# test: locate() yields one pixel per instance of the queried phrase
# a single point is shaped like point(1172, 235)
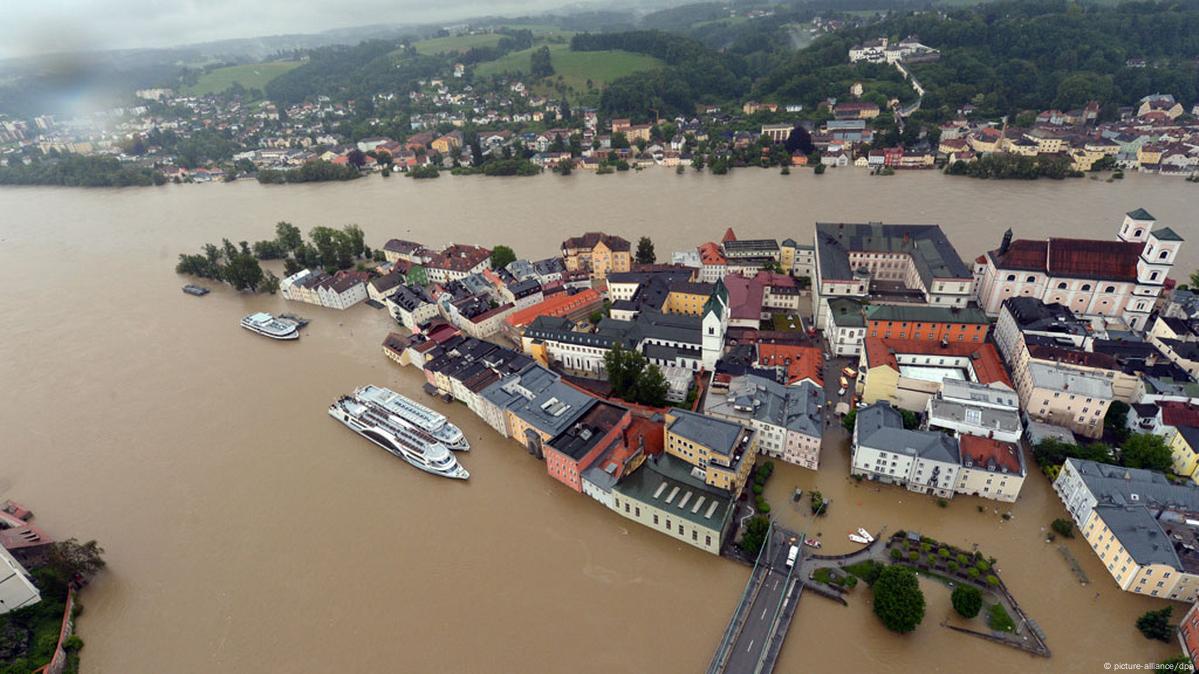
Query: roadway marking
point(751, 645)
point(776, 584)
point(763, 613)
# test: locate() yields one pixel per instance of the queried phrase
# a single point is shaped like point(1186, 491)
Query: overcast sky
point(40, 26)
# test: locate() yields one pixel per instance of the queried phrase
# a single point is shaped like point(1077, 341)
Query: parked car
point(849, 372)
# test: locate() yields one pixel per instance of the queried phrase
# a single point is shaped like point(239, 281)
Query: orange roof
point(984, 359)
point(558, 304)
point(987, 451)
point(709, 253)
point(728, 236)
point(802, 362)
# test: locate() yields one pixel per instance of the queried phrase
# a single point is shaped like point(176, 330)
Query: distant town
point(508, 123)
point(664, 390)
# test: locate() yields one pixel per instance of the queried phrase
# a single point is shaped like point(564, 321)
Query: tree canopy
point(898, 600)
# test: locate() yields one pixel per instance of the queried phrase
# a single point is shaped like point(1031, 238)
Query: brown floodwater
point(246, 531)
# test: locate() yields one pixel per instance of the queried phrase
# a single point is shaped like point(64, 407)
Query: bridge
point(754, 636)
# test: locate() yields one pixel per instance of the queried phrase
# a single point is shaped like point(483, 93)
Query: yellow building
point(725, 451)
point(687, 298)
point(1149, 154)
point(1184, 447)
point(598, 253)
point(1115, 534)
point(787, 255)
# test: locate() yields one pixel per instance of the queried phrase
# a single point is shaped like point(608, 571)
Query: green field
point(456, 43)
point(575, 67)
point(250, 76)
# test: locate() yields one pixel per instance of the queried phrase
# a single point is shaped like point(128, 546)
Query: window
point(1061, 286)
point(1011, 277)
point(1031, 279)
point(1086, 286)
point(1110, 289)
point(1163, 255)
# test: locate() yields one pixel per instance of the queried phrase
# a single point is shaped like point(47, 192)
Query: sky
point(40, 26)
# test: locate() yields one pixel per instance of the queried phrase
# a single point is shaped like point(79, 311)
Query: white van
point(792, 554)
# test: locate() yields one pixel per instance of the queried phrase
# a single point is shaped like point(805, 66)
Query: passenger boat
point(416, 414)
point(859, 539)
point(812, 543)
point(269, 326)
point(363, 414)
point(865, 534)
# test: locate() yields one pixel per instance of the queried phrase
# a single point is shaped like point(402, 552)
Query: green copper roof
point(1140, 214)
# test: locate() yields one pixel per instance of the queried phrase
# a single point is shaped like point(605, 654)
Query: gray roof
point(1117, 485)
point(880, 426)
point(667, 484)
point(926, 313)
point(796, 408)
point(1031, 314)
point(1140, 534)
point(1166, 234)
point(716, 434)
point(1043, 375)
point(987, 418)
point(927, 245)
point(1140, 214)
point(554, 408)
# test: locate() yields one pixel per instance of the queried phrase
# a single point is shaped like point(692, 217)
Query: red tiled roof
point(728, 236)
point(1072, 356)
point(710, 254)
point(1176, 413)
point(983, 451)
point(459, 257)
point(984, 359)
point(802, 362)
point(557, 305)
point(1073, 258)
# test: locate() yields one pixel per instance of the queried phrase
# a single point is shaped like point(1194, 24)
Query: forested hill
point(1027, 55)
point(1001, 57)
point(353, 72)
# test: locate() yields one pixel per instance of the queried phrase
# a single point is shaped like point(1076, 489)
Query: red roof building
point(987, 452)
point(985, 363)
point(799, 362)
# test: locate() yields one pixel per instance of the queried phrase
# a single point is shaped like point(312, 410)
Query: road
point(757, 630)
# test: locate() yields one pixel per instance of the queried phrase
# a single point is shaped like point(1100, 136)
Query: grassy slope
point(251, 76)
point(456, 43)
point(575, 68)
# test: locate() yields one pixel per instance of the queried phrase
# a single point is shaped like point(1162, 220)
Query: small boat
point(812, 543)
point(269, 326)
point(300, 322)
point(858, 539)
point(17, 510)
point(865, 534)
point(198, 291)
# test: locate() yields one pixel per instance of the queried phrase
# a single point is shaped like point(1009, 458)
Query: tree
point(288, 235)
point(967, 600)
point(502, 256)
point(540, 64)
point(820, 168)
point(898, 600)
point(849, 420)
point(70, 558)
point(756, 531)
point(356, 158)
point(1144, 450)
point(645, 251)
point(1063, 527)
point(651, 387)
point(1116, 420)
point(243, 272)
point(1156, 624)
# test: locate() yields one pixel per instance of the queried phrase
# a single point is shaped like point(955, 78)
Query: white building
point(788, 418)
point(16, 589)
point(1120, 279)
point(926, 462)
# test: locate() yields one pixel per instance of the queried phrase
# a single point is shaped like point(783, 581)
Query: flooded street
point(246, 531)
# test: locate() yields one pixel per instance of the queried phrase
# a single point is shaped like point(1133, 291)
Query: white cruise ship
point(433, 423)
point(376, 423)
point(269, 326)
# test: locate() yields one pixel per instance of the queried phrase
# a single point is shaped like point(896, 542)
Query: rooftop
point(979, 452)
point(926, 313)
point(587, 431)
point(931, 252)
point(880, 426)
point(796, 408)
point(984, 359)
point(722, 437)
point(1055, 378)
point(1072, 258)
point(667, 484)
